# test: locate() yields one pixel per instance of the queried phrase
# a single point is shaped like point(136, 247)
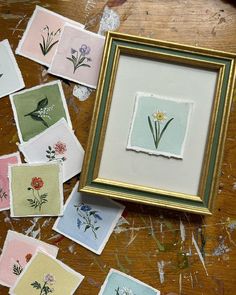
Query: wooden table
point(148, 245)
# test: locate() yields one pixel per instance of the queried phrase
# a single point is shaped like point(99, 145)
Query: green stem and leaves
point(157, 132)
point(48, 38)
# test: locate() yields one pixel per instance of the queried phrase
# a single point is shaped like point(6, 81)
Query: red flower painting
point(37, 183)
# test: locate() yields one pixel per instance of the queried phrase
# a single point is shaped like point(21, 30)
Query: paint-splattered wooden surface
point(153, 245)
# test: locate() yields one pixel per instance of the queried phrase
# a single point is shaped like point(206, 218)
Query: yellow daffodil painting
point(158, 126)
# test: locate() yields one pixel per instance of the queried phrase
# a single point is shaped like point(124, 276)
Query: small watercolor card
point(40, 39)
point(88, 220)
point(5, 161)
point(159, 125)
point(10, 75)
point(119, 283)
point(37, 108)
point(57, 143)
point(78, 57)
point(47, 275)
point(12, 261)
point(36, 189)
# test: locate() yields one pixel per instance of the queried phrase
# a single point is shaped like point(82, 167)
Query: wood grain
point(149, 246)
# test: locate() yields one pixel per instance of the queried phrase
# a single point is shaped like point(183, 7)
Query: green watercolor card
point(159, 125)
point(38, 108)
point(36, 189)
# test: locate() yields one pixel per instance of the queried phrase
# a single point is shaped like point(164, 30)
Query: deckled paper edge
point(13, 234)
point(79, 276)
point(159, 153)
point(112, 226)
point(17, 155)
point(55, 54)
point(6, 44)
point(112, 270)
point(25, 34)
point(37, 137)
point(60, 177)
point(63, 99)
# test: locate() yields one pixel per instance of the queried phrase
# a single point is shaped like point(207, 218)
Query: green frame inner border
point(179, 53)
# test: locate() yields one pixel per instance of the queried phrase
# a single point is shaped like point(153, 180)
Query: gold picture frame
point(205, 77)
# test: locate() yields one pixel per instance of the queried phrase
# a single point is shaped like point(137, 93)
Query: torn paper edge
point(106, 238)
point(55, 54)
point(39, 8)
point(112, 270)
point(29, 240)
point(63, 99)
point(17, 155)
point(37, 137)
point(79, 276)
point(60, 180)
point(140, 94)
point(6, 44)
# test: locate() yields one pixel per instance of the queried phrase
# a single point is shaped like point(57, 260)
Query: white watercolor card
point(36, 189)
point(88, 220)
point(46, 275)
point(159, 125)
point(37, 108)
point(10, 75)
point(17, 251)
point(119, 283)
point(40, 39)
point(57, 143)
point(78, 56)
point(5, 161)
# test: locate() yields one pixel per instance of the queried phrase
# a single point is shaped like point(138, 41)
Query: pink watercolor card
point(40, 39)
point(39, 107)
point(78, 56)
point(36, 189)
point(57, 143)
point(4, 183)
point(10, 75)
point(17, 252)
point(46, 275)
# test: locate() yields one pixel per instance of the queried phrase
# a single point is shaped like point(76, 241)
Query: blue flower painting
point(88, 220)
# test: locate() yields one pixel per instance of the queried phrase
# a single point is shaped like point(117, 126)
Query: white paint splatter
point(221, 249)
point(31, 232)
point(234, 186)
point(54, 237)
point(182, 231)
point(18, 24)
point(82, 92)
point(161, 265)
point(46, 222)
point(118, 229)
point(7, 219)
point(199, 253)
point(110, 21)
point(232, 225)
point(133, 236)
point(71, 248)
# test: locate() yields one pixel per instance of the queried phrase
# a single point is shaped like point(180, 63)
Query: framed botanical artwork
point(159, 123)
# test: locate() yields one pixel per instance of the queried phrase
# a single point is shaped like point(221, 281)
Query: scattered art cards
point(120, 283)
point(78, 56)
point(5, 161)
point(36, 189)
point(88, 220)
point(37, 108)
point(45, 275)
point(159, 125)
point(10, 76)
point(40, 39)
point(57, 143)
point(17, 252)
